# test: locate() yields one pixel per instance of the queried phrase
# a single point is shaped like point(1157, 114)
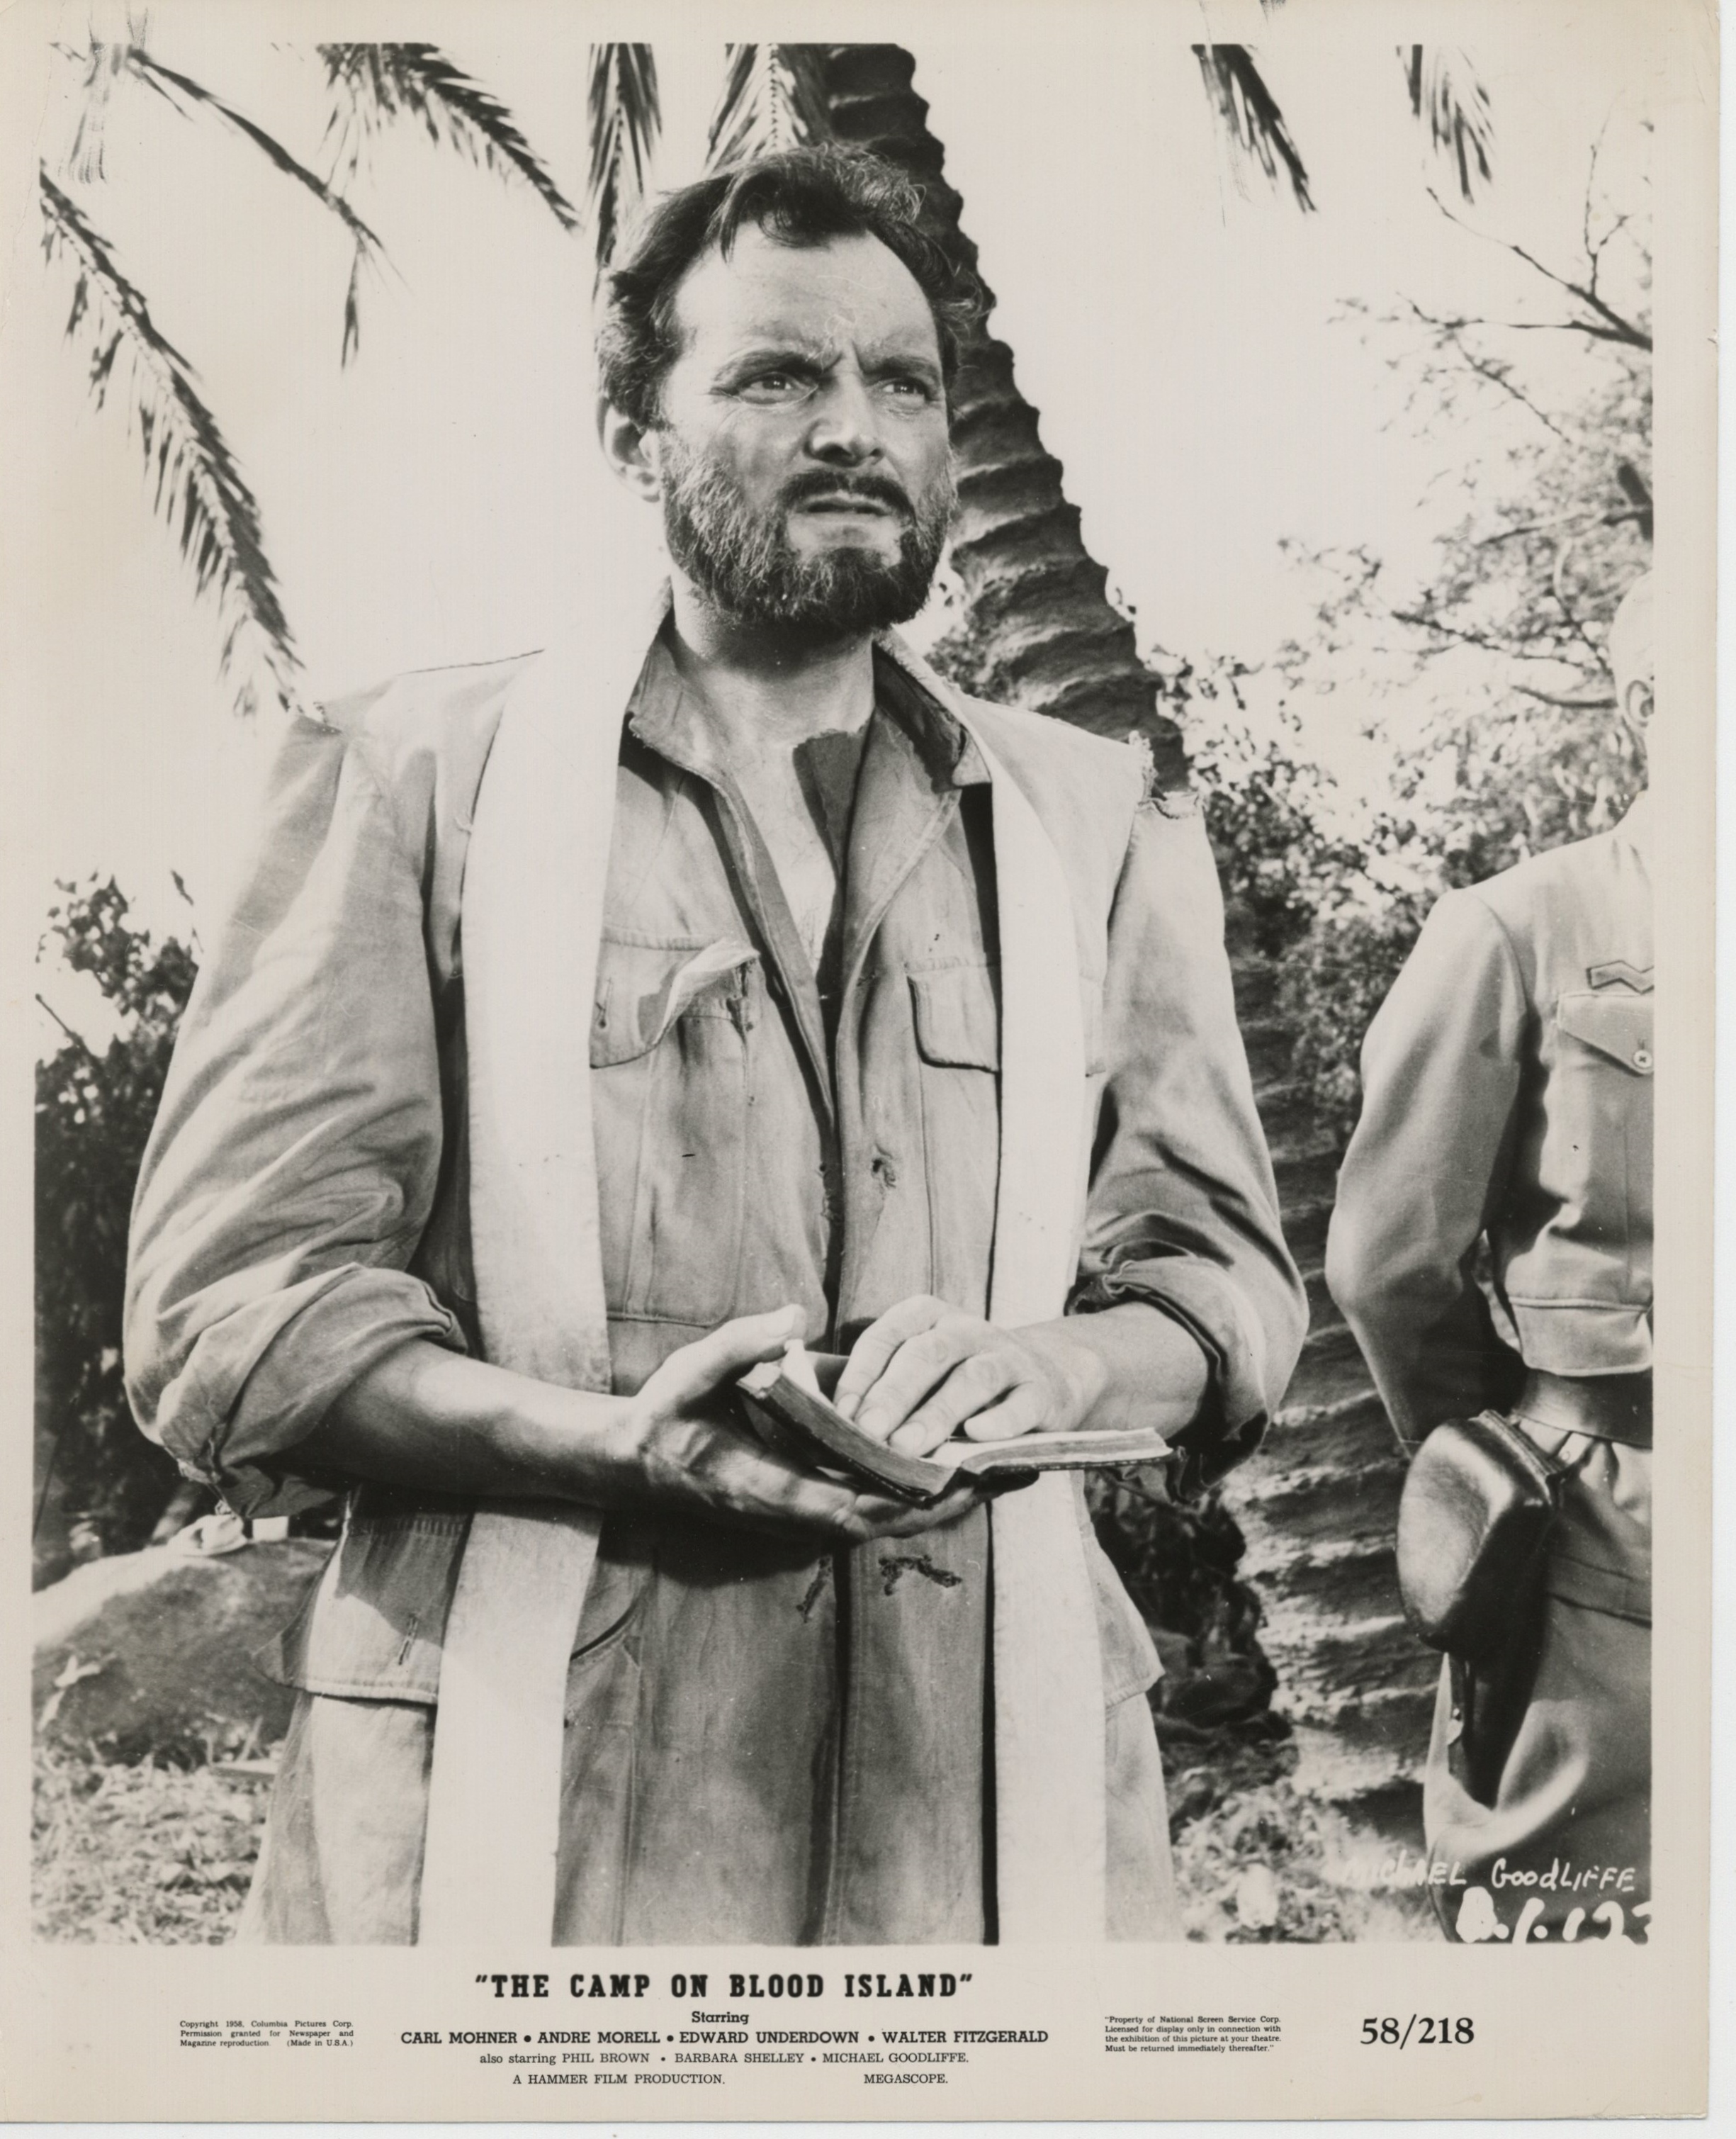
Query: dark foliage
point(1330, 986)
point(1179, 1560)
point(93, 1114)
point(1262, 802)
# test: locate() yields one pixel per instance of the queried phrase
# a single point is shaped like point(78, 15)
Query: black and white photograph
point(845, 948)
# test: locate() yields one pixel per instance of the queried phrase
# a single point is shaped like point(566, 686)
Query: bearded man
point(594, 1022)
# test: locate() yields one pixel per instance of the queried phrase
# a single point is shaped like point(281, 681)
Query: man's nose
point(846, 425)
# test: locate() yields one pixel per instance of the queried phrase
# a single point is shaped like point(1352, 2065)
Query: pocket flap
point(372, 1627)
point(957, 1016)
point(642, 989)
point(1617, 1025)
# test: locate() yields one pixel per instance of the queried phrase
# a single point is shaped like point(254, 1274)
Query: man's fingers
point(918, 1367)
point(1026, 1411)
point(875, 1346)
point(974, 1384)
point(851, 1517)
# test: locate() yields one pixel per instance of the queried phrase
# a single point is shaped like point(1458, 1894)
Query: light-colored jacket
point(304, 1208)
point(1508, 1096)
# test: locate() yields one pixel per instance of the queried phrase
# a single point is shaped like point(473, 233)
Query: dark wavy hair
point(800, 197)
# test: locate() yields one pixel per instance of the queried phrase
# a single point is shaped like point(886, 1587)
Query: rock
point(1228, 1689)
point(151, 1652)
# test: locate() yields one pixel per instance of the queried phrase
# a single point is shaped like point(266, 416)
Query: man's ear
point(1636, 705)
point(634, 450)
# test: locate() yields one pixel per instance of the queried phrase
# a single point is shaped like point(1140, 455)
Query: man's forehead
point(848, 289)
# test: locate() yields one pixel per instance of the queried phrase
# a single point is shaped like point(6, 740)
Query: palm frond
point(1446, 93)
point(1249, 115)
point(625, 118)
point(198, 486)
point(774, 97)
point(182, 90)
point(103, 64)
point(378, 84)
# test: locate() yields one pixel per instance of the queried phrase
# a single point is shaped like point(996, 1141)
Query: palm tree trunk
point(1056, 641)
point(1319, 1505)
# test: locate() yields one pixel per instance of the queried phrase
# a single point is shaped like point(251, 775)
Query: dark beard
point(745, 563)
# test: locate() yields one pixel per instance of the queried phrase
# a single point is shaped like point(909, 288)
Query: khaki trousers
point(1537, 1795)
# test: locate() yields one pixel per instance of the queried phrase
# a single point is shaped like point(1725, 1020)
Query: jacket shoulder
point(1536, 897)
point(444, 715)
point(424, 737)
point(1047, 748)
point(1086, 790)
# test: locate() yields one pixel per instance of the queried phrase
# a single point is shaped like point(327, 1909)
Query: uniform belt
point(1606, 1407)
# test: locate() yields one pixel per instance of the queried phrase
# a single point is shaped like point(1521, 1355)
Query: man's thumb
point(746, 1341)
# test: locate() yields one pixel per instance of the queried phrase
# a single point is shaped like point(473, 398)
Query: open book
point(787, 1404)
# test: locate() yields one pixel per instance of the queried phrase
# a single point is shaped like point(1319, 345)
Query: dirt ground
point(154, 1854)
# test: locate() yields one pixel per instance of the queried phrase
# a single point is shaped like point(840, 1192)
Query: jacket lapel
point(532, 917)
point(1049, 1780)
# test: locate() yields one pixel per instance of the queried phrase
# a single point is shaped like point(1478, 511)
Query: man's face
point(806, 480)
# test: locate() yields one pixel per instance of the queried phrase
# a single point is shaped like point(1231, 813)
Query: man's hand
point(674, 1447)
point(924, 1371)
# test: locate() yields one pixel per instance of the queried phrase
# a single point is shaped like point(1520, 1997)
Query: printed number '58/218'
point(1421, 2029)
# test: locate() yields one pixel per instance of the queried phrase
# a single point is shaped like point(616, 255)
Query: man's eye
point(774, 386)
point(915, 390)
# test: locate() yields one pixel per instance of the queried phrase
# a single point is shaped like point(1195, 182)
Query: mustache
point(875, 489)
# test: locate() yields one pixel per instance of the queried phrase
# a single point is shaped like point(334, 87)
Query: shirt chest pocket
point(671, 1038)
point(956, 1010)
point(1599, 1106)
point(955, 1022)
point(955, 1025)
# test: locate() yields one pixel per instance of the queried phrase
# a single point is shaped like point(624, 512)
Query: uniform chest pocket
point(1615, 1026)
point(1599, 1102)
point(671, 1044)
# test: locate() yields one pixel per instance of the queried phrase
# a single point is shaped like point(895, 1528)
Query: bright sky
point(1184, 343)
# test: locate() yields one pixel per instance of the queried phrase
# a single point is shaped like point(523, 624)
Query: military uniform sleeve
point(1182, 1211)
point(1442, 1067)
point(293, 1162)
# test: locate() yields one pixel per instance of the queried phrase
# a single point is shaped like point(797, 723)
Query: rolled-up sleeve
point(1183, 1209)
point(294, 1160)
